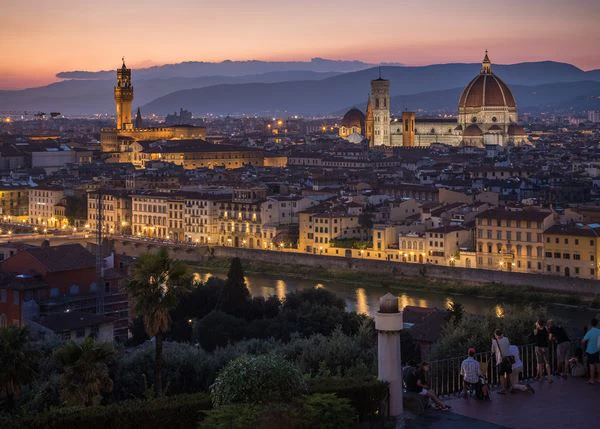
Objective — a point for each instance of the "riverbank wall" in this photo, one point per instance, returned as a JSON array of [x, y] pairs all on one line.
[[396, 270]]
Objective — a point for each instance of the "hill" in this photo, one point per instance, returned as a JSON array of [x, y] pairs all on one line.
[[436, 87], [294, 91]]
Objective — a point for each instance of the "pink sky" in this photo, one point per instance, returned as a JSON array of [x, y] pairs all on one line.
[[39, 39]]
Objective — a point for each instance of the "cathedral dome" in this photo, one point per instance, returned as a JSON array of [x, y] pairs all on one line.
[[354, 118], [486, 90]]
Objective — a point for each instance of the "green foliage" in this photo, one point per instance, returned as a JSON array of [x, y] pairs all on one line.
[[327, 411], [455, 312], [337, 354], [324, 411], [477, 330], [186, 369], [307, 312], [176, 412], [155, 284], [85, 377], [17, 363], [365, 394], [256, 380]]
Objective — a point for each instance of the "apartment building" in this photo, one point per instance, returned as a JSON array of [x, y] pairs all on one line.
[[239, 219], [200, 217], [443, 244], [46, 208], [572, 250], [150, 215], [512, 240], [14, 203], [320, 228], [116, 211]]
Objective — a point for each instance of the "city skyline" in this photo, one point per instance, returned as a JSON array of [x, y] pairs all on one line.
[[266, 30]]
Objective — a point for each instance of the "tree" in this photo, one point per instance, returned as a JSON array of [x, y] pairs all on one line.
[[17, 362], [156, 283], [86, 376], [257, 380], [236, 297], [455, 312]]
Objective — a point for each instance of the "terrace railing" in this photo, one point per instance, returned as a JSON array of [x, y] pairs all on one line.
[[446, 379]]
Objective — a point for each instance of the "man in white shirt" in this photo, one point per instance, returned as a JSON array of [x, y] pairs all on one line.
[[470, 371], [517, 369]]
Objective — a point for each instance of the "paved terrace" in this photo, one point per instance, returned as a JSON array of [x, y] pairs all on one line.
[[571, 404]]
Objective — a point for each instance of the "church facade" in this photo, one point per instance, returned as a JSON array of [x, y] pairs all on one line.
[[487, 114], [120, 138]]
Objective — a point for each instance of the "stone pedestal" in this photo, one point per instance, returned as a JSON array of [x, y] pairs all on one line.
[[388, 323]]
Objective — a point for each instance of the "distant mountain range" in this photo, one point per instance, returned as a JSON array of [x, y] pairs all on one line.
[[226, 68], [315, 87], [430, 88]]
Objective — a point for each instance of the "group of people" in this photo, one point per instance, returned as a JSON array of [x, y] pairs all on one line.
[[509, 364]]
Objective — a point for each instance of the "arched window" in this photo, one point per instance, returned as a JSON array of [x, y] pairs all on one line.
[[54, 292], [93, 287], [74, 290]]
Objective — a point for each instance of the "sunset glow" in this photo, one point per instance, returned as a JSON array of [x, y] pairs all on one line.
[[40, 39]]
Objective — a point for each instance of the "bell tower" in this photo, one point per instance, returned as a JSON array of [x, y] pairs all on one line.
[[123, 98], [380, 104]]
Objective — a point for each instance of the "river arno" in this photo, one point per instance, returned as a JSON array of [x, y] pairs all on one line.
[[365, 299]]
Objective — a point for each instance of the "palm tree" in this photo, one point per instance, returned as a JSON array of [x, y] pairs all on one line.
[[17, 362], [156, 283], [86, 374]]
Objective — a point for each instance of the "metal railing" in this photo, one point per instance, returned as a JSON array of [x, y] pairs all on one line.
[[446, 379]]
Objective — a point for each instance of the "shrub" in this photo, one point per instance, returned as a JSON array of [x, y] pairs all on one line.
[[476, 331], [324, 411], [256, 380], [365, 394], [186, 369], [328, 411], [178, 412]]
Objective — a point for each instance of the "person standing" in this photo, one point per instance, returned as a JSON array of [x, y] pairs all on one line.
[[590, 342], [501, 351], [540, 338], [517, 369], [558, 335]]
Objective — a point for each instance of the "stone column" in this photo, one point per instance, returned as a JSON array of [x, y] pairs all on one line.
[[388, 323]]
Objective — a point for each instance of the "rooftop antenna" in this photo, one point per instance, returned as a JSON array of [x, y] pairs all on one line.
[[379, 72]]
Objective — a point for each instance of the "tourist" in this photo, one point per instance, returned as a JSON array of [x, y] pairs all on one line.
[[501, 351], [470, 371], [540, 338], [409, 375], [422, 386], [558, 335], [590, 341], [517, 369]]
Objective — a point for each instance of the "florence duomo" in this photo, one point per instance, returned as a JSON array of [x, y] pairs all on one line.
[[487, 115]]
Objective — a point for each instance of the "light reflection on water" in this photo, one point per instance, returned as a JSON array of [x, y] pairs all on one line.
[[365, 299], [362, 302]]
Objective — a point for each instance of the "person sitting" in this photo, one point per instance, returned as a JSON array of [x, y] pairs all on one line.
[[422, 386], [470, 372]]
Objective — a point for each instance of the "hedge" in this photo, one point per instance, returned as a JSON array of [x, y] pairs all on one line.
[[366, 395], [174, 412]]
